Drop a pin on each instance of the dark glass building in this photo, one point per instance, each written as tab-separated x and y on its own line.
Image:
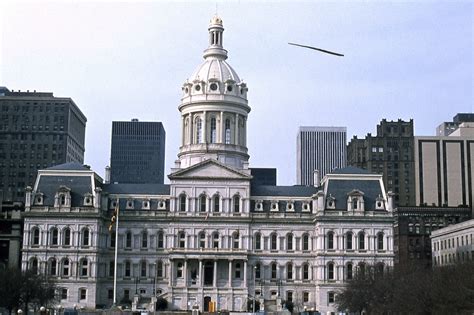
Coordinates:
390	153
37	130
138	152
263	176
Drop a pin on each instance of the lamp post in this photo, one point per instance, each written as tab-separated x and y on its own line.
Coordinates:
20	312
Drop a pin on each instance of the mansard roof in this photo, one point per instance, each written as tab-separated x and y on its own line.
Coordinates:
350	170
69	166
290	191
340	188
139	189
78	185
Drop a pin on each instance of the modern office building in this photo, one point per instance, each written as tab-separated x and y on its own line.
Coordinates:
321	149
453	244
447	127
211	239
263	176
444	171
391	154
138	152
37	130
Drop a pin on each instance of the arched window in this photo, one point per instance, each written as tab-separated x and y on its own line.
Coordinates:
354	203
67	237
330	271
53	264
179	270
361	267
54	237
258	241
182	240
274	271
35	238
202	203
361	241
257	271
182	202
85	237
273	242
160	241
236	202
198	130
227	131
217	200
159	269
330	237
305	271
84	268
289	271
144	239
143	269
349	236
380	241
289	241
34	265
305	242
128	269
349	271
236	240
215	240
213	130
66	266
202	240
128	240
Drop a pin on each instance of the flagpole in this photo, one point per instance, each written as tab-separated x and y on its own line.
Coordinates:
116	252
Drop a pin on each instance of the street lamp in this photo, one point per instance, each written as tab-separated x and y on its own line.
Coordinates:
20	312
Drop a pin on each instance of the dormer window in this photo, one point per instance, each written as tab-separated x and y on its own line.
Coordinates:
213	86
274	206
197	87
129	204
354	203
39	199
379	203
290	206
146	204
355	200
113	204
87	199
259	205
305	207
331	202
63	197
161	204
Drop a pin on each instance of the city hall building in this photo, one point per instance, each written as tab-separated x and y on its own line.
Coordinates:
208	239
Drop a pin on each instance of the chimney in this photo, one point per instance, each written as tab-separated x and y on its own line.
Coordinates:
390	201
316	178
107	174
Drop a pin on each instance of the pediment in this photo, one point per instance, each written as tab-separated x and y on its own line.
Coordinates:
210	169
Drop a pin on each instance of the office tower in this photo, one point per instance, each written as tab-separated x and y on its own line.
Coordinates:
37	130
263	176
391	154
447	127
319	148
138	152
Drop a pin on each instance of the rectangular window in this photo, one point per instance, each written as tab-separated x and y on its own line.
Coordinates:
63	294
83	294
110	294
331	297
305	297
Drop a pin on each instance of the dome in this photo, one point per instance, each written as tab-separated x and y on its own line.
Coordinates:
216	20
213	69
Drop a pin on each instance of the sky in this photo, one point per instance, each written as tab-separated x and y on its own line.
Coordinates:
120	60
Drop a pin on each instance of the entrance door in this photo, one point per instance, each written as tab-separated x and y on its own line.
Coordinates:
208	273
207	301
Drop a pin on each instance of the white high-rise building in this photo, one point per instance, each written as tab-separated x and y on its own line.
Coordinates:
210	240
321	149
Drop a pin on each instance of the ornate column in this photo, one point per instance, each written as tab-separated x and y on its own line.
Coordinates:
171	275
185	272
204	127
221	130
236	128
200	273
229	284
245	273
214	279
191	123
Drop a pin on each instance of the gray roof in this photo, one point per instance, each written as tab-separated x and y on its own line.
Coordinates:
70	166
339	188
350	170
79	185
292	191
147	189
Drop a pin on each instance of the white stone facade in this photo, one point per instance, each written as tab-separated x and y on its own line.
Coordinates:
453	244
210	235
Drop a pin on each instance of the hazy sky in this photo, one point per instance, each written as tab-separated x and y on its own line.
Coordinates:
123	60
